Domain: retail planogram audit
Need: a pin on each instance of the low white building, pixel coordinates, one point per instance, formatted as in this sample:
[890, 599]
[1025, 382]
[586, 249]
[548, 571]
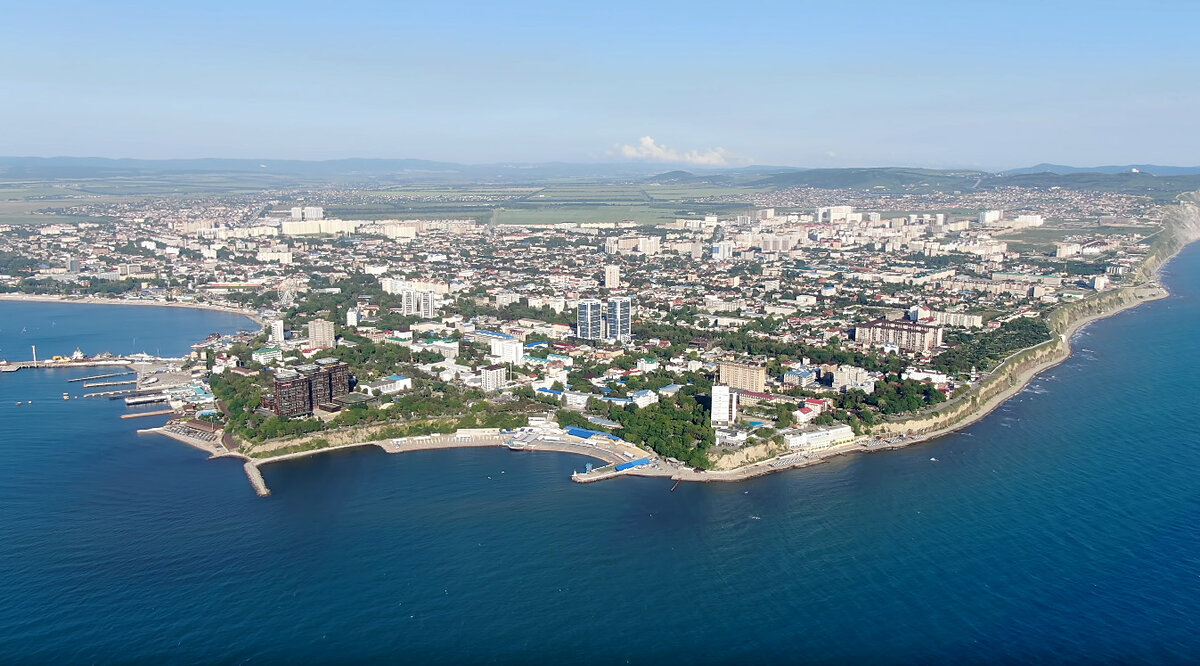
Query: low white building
[388, 385]
[266, 355]
[814, 438]
[644, 398]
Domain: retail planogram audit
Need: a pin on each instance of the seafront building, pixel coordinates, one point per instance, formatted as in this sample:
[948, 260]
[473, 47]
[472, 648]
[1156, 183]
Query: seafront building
[724, 405]
[491, 378]
[299, 390]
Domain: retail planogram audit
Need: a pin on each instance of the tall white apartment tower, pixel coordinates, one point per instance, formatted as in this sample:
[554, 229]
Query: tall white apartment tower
[320, 333]
[620, 318]
[588, 323]
[724, 405]
[612, 276]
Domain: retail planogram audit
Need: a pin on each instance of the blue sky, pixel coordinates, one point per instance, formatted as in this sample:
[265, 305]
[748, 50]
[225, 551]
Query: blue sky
[992, 85]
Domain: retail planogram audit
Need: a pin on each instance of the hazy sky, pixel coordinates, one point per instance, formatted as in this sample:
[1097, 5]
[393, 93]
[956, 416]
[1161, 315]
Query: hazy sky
[995, 85]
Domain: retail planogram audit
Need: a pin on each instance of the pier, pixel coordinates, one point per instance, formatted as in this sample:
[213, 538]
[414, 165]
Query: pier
[13, 366]
[116, 383]
[110, 394]
[94, 377]
[138, 415]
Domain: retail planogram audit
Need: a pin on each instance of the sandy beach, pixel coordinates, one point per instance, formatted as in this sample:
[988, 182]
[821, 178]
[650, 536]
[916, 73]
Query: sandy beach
[94, 300]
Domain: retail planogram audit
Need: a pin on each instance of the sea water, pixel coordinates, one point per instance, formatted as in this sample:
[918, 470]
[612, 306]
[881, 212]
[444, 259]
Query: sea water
[1062, 527]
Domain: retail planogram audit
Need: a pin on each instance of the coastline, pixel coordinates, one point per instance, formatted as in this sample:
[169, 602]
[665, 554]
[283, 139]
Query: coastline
[94, 300]
[1026, 375]
[1018, 370]
[1180, 232]
[611, 454]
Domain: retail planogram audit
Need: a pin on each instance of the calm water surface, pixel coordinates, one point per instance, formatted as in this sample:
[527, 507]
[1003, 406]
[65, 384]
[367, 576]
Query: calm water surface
[1063, 527]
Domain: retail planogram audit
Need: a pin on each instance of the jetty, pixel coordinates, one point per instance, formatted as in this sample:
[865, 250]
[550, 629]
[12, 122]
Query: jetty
[256, 479]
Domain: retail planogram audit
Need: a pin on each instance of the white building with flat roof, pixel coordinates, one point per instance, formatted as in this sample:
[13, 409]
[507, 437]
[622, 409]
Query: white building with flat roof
[724, 405]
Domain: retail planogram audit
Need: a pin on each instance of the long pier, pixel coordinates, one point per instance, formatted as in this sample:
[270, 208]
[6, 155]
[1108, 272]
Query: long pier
[13, 366]
[117, 383]
[111, 374]
[111, 394]
[138, 415]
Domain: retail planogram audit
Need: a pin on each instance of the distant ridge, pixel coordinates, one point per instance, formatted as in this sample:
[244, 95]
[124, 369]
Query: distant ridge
[1155, 169]
[680, 177]
[875, 177]
[1158, 182]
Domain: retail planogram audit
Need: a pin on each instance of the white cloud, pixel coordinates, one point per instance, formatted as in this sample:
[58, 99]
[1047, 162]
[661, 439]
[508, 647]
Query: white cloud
[649, 149]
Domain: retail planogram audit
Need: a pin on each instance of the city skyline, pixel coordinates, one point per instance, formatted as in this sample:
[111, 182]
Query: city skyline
[934, 85]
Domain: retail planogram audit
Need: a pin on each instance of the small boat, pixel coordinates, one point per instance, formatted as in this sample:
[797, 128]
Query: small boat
[66, 396]
[933, 460]
[19, 403]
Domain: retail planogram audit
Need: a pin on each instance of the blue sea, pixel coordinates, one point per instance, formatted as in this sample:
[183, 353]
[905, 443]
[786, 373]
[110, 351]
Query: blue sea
[1065, 527]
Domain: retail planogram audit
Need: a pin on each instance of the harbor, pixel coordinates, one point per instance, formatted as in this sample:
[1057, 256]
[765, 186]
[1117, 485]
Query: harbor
[141, 380]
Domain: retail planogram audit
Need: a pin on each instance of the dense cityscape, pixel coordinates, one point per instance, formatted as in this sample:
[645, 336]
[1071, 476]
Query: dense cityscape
[795, 323]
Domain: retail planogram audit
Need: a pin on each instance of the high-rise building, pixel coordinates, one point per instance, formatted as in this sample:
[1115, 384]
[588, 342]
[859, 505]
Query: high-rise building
[426, 304]
[320, 333]
[352, 317]
[620, 318]
[907, 335]
[612, 276]
[744, 376]
[307, 213]
[508, 350]
[724, 405]
[723, 250]
[298, 391]
[588, 323]
[990, 216]
[491, 378]
[277, 333]
[292, 394]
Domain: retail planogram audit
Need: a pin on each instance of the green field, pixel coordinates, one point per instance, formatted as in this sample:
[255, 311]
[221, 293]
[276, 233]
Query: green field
[582, 213]
[1042, 239]
[693, 192]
